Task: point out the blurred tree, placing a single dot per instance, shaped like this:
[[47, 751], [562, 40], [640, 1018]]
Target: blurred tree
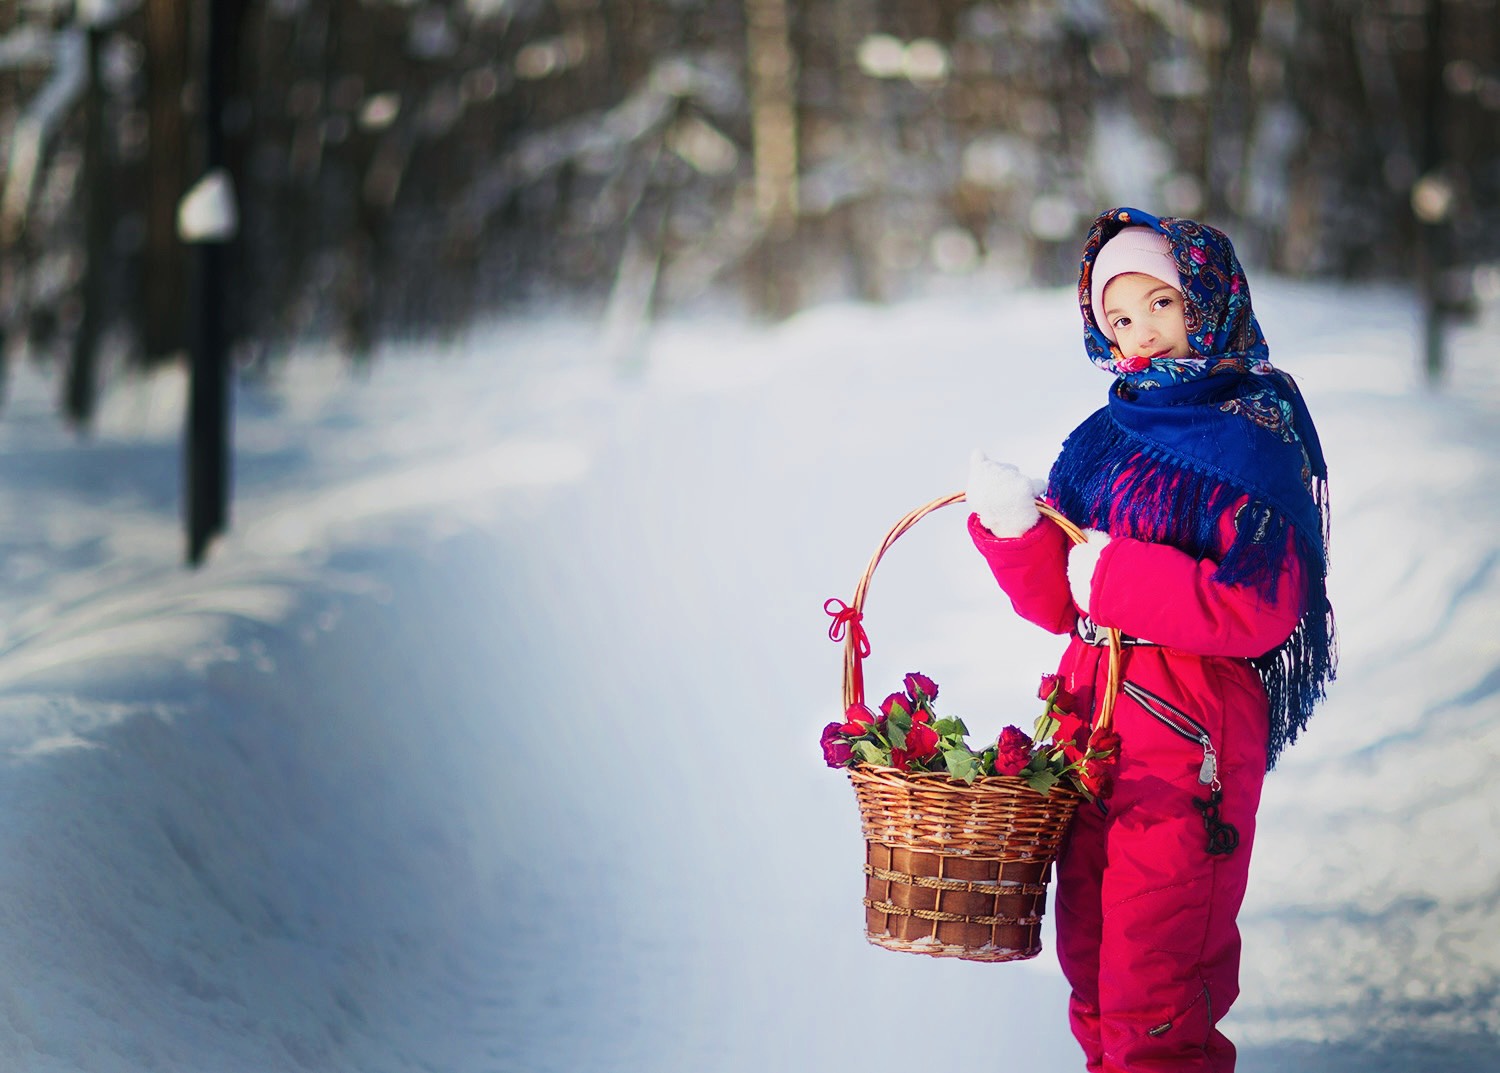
[[407, 167], [163, 278], [773, 123], [79, 390]]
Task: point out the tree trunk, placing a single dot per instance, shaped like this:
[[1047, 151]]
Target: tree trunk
[[1432, 226], [164, 278], [773, 124], [82, 375]]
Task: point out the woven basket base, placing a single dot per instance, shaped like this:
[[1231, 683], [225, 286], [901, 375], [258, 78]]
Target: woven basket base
[[921, 902]]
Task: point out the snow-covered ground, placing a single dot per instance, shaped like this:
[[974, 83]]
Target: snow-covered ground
[[486, 741]]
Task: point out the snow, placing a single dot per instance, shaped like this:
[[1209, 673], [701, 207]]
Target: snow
[[208, 211], [486, 740]]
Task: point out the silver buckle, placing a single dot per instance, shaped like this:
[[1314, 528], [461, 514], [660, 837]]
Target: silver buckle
[[1091, 633]]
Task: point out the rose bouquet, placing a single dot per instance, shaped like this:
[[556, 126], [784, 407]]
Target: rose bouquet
[[907, 734]]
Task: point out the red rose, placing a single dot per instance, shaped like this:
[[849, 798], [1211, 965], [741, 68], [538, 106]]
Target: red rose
[[894, 702], [919, 686], [900, 759], [1071, 730], [836, 751], [1013, 751], [1098, 779], [1138, 363], [921, 741], [857, 720], [1052, 691], [1104, 742]]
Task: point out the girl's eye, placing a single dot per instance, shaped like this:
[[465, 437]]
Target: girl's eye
[[1163, 302], [1122, 322]]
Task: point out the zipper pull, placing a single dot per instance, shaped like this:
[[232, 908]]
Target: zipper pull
[[1208, 772]]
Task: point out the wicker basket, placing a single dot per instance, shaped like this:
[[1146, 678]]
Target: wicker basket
[[955, 870]]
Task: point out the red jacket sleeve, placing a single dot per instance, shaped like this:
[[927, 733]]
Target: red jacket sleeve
[[1168, 597], [1033, 570]]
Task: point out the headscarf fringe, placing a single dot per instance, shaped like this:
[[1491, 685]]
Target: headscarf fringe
[[1107, 477], [1296, 675]]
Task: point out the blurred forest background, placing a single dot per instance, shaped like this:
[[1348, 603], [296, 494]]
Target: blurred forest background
[[400, 167]]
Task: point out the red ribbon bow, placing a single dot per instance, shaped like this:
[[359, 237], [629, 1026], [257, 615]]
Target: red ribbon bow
[[846, 618]]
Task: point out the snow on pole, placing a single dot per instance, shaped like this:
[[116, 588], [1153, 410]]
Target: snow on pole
[[209, 211]]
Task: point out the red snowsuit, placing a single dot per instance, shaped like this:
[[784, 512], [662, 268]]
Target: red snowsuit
[[1145, 915]]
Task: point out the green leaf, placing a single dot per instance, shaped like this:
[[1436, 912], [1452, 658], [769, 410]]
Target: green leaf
[[871, 753], [1042, 781], [1046, 726], [950, 728], [897, 726], [962, 764]]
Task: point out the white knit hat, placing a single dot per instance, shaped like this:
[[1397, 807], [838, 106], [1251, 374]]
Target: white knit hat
[[1135, 249]]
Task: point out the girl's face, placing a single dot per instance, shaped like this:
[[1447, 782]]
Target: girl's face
[[1146, 316]]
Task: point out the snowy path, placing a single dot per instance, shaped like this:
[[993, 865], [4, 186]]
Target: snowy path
[[487, 740]]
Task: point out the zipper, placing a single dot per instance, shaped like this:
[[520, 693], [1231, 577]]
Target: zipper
[[1182, 724], [1222, 836]]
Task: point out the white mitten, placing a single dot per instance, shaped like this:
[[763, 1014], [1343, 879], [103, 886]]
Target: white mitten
[[1002, 496], [1082, 558]]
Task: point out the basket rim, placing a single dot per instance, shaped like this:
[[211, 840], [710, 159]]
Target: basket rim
[[942, 780]]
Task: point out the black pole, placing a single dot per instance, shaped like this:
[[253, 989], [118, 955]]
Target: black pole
[[208, 446]]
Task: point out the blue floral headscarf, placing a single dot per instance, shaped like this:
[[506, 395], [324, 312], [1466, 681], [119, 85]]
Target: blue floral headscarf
[[1182, 440]]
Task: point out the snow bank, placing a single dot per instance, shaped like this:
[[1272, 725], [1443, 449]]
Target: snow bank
[[487, 738]]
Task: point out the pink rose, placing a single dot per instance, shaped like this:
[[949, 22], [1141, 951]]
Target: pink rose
[[1197, 254], [836, 751], [1013, 751], [919, 686], [1138, 363], [895, 702]]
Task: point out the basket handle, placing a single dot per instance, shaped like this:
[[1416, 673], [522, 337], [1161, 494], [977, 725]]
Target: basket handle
[[857, 645]]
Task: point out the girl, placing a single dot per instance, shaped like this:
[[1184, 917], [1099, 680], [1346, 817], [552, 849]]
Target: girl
[[1204, 490]]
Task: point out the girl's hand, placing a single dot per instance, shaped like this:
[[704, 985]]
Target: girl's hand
[[1082, 558], [1002, 496]]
